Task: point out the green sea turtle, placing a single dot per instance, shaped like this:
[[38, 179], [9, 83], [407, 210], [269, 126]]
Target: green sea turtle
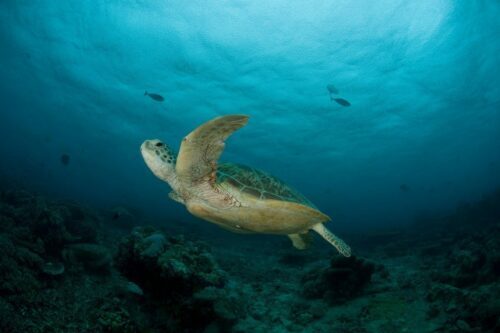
[[235, 197]]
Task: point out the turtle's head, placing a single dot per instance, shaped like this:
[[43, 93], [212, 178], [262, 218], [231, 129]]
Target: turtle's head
[[160, 159]]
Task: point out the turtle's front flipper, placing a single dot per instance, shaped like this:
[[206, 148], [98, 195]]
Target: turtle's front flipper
[[176, 197], [200, 150], [339, 244], [300, 241]]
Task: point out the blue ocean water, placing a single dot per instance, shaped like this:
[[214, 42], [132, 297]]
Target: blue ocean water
[[422, 132], [384, 114]]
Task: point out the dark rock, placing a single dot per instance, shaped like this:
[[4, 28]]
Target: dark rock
[[433, 312], [166, 267], [295, 259], [343, 280], [486, 314]]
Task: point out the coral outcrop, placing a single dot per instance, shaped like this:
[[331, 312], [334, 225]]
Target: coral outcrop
[[179, 276]]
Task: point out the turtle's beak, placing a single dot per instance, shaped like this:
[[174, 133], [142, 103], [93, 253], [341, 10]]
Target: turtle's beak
[[149, 148], [150, 155], [145, 145], [148, 152]]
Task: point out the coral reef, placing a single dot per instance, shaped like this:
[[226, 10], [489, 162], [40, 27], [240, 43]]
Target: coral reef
[[65, 268]]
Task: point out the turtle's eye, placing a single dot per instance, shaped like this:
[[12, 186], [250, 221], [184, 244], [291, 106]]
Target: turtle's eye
[[159, 144]]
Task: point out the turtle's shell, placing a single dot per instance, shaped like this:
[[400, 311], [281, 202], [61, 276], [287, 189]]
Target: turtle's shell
[[258, 184]]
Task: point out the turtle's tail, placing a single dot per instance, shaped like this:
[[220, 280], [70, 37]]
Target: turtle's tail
[[338, 243], [145, 93]]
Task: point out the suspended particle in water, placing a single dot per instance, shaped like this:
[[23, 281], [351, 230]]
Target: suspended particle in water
[[65, 159], [404, 188]]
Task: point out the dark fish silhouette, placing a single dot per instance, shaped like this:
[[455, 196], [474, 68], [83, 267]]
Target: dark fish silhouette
[[341, 101], [156, 97], [404, 188], [332, 89], [65, 159]]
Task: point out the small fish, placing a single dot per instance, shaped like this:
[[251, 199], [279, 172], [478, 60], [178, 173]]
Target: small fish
[[332, 89], [65, 159], [341, 101], [404, 188], [156, 97]]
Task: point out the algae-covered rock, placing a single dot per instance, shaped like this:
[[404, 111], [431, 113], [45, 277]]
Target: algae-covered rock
[[93, 257], [191, 266], [53, 268], [18, 269], [38, 293], [486, 315], [8, 317], [44, 226], [227, 303], [465, 288], [113, 317], [476, 308], [155, 245]]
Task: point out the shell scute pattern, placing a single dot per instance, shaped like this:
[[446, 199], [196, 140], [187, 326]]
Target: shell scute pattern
[[258, 183]]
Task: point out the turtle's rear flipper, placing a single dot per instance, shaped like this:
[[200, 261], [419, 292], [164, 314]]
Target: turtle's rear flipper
[[300, 241], [339, 244]]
